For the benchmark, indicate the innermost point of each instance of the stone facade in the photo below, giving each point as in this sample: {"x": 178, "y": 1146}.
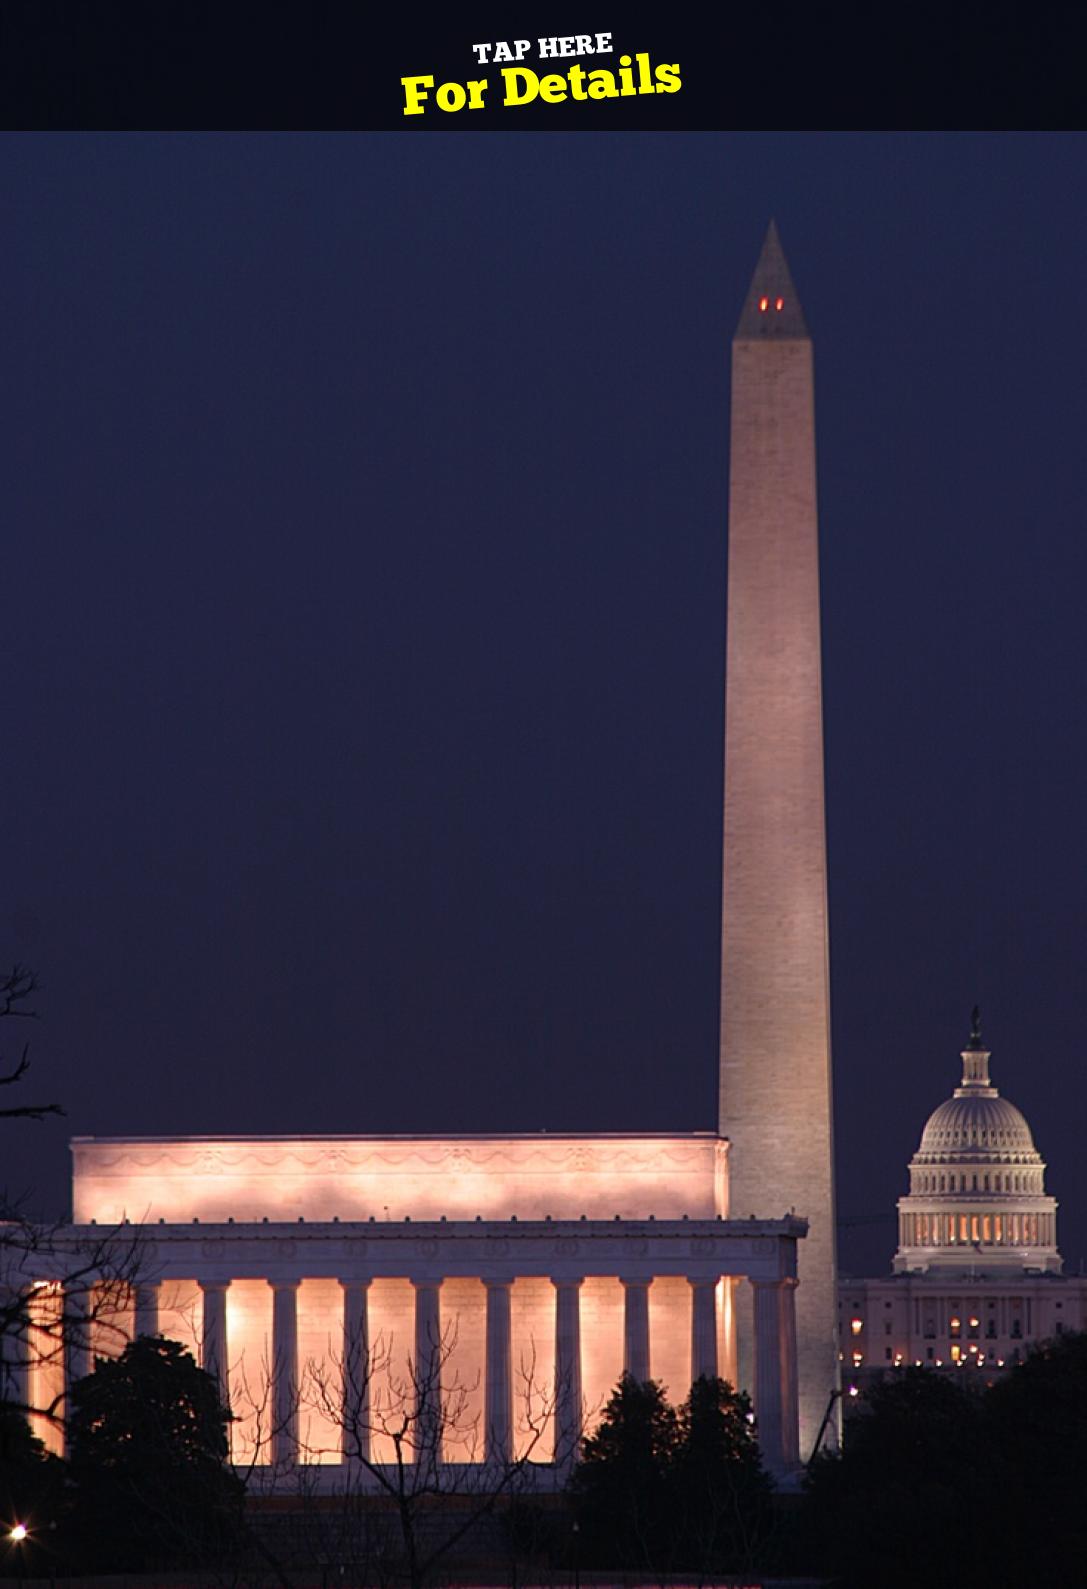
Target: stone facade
{"x": 977, "y": 1276}
{"x": 986, "y": 1323}
{"x": 522, "y": 1305}
{"x": 775, "y": 1104}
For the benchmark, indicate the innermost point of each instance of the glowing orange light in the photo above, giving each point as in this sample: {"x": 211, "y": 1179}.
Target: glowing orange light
{"x": 764, "y": 304}
{"x": 780, "y": 304}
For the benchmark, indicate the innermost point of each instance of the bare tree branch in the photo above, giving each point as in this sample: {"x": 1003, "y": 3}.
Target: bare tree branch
{"x": 16, "y": 986}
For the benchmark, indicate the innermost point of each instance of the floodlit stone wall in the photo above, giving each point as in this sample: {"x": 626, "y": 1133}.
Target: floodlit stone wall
{"x": 284, "y": 1179}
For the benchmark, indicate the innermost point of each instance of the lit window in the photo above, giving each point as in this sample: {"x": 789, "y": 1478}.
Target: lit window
{"x": 856, "y": 1325}
{"x": 956, "y": 1353}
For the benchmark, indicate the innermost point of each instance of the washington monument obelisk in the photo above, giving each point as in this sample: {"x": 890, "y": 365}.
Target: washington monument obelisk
{"x": 775, "y": 1010}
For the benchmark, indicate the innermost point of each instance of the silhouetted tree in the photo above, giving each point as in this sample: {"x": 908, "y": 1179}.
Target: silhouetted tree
{"x": 620, "y": 1486}
{"x": 906, "y": 1501}
{"x": 53, "y": 1288}
{"x": 31, "y": 1493}
{"x": 151, "y": 1482}
{"x": 1035, "y": 1428}
{"x": 719, "y": 1492}
{"x": 411, "y": 1433}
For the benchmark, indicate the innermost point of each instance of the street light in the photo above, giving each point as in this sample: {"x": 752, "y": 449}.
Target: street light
{"x": 17, "y": 1536}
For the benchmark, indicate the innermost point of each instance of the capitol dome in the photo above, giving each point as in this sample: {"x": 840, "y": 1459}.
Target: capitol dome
{"x": 977, "y": 1184}
{"x": 972, "y": 1122}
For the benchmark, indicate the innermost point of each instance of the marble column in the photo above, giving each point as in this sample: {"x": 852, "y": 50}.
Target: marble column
{"x": 356, "y": 1371}
{"x": 703, "y": 1329}
{"x": 215, "y": 1346}
{"x": 78, "y": 1360}
{"x": 284, "y": 1371}
{"x": 567, "y": 1370}
{"x": 776, "y": 1391}
{"x": 636, "y": 1329}
{"x": 498, "y": 1413}
{"x": 790, "y": 1373}
{"x": 428, "y": 1371}
{"x": 146, "y": 1300}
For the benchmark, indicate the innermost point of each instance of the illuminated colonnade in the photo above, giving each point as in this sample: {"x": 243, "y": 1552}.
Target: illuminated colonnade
{"x": 529, "y": 1324}
{"x": 559, "y": 1311}
{"x": 537, "y": 1269}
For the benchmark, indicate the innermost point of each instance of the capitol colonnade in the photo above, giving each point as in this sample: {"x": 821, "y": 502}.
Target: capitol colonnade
{"x": 317, "y": 1333}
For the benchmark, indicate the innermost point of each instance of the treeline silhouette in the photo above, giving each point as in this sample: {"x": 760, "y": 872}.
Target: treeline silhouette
{"x": 942, "y": 1480}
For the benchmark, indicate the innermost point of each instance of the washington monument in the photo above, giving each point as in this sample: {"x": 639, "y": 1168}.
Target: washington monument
{"x": 775, "y": 1104}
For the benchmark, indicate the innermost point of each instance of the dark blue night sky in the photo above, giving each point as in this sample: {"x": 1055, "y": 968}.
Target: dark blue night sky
{"x": 363, "y": 509}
